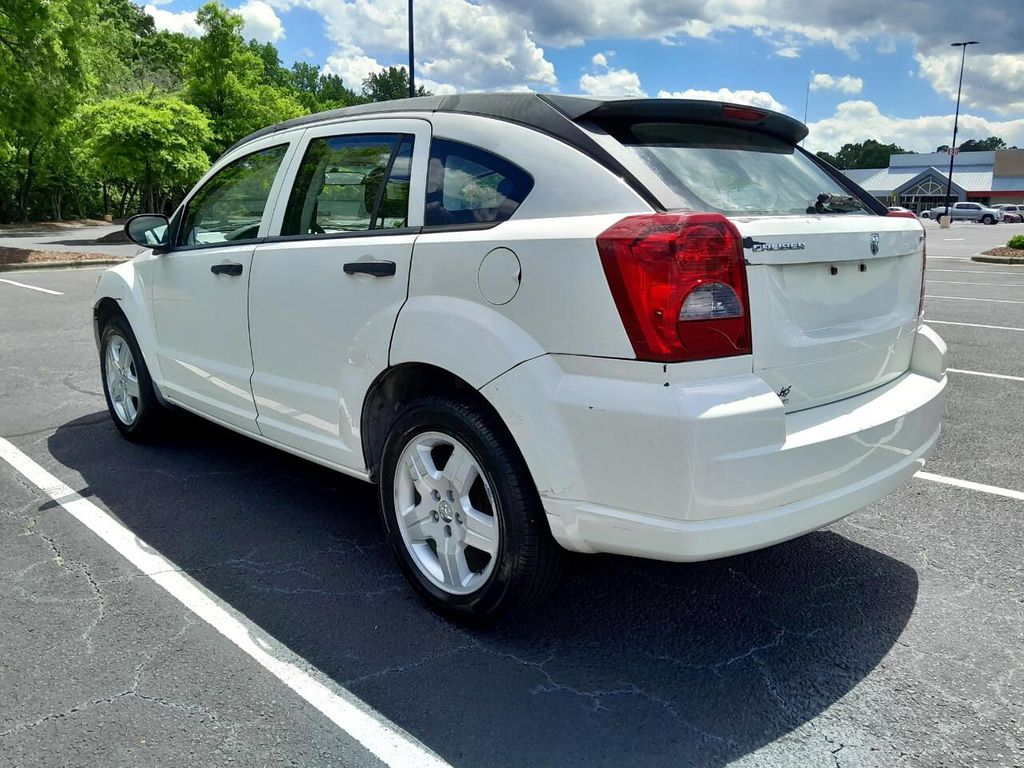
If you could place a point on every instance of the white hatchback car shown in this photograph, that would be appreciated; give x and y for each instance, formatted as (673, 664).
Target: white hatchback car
(650, 327)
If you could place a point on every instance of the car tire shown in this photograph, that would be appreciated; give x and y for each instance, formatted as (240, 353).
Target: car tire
(127, 386)
(473, 540)
(988, 219)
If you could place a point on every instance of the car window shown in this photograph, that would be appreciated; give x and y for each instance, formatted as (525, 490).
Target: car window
(734, 170)
(350, 184)
(229, 207)
(468, 185)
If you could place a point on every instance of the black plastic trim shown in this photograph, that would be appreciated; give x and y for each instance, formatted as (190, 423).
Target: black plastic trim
(461, 227)
(354, 234)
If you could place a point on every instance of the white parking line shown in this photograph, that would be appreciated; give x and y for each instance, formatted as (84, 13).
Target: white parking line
(993, 489)
(978, 271)
(948, 258)
(987, 375)
(953, 239)
(970, 298)
(929, 321)
(384, 739)
(963, 282)
(31, 287)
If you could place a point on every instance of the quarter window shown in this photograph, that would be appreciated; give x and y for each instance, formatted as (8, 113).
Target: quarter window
(466, 185)
(229, 207)
(351, 184)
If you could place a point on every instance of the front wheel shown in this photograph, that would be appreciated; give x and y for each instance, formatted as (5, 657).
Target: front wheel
(462, 514)
(988, 219)
(128, 389)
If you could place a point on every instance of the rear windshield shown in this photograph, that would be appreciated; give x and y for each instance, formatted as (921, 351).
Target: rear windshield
(734, 171)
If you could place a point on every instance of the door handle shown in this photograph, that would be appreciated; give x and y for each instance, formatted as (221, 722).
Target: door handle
(375, 268)
(230, 268)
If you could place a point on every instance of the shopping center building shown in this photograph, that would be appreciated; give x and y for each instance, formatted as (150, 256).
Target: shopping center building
(919, 182)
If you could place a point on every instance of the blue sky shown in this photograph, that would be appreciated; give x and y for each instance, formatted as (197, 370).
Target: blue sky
(879, 68)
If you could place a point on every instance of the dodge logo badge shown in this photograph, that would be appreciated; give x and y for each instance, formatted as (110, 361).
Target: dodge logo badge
(874, 244)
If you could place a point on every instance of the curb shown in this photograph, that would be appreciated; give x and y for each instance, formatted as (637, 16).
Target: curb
(998, 259)
(61, 264)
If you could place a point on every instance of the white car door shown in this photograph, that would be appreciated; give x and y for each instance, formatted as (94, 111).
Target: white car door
(200, 287)
(327, 285)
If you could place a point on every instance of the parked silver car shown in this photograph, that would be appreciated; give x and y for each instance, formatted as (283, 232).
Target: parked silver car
(966, 212)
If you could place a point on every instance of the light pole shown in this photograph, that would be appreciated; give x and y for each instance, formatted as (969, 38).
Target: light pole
(956, 119)
(412, 57)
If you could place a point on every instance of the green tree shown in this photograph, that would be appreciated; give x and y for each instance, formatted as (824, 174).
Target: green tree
(224, 80)
(162, 59)
(390, 83)
(976, 145)
(43, 78)
(318, 91)
(154, 143)
(273, 73)
(867, 154)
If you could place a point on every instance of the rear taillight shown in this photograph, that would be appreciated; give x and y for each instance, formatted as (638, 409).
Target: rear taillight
(902, 214)
(679, 284)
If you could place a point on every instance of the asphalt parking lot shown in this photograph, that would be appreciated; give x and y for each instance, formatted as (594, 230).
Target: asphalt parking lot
(894, 638)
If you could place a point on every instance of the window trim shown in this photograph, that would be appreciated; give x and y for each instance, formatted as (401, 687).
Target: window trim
(345, 235)
(398, 139)
(178, 219)
(417, 127)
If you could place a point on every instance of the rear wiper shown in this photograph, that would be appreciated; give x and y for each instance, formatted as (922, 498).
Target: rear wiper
(829, 203)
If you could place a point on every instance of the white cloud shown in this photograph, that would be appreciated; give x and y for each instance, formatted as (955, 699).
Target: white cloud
(788, 52)
(260, 21)
(844, 83)
(599, 60)
(993, 81)
(460, 44)
(169, 21)
(753, 98)
(612, 84)
(990, 80)
(352, 66)
(855, 121)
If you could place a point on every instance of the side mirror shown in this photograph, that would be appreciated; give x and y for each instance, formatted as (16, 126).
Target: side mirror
(150, 230)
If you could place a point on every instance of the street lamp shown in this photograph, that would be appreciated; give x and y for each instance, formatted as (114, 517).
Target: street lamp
(956, 119)
(412, 75)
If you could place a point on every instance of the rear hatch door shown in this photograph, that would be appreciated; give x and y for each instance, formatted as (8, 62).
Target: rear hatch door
(833, 302)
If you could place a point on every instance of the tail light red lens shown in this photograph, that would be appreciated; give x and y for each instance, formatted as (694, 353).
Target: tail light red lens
(742, 113)
(680, 285)
(902, 214)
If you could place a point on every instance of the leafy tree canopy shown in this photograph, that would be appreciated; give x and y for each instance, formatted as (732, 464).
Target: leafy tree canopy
(390, 83)
(867, 154)
(973, 145)
(101, 112)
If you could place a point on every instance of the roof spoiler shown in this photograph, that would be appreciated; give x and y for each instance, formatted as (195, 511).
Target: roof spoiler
(681, 110)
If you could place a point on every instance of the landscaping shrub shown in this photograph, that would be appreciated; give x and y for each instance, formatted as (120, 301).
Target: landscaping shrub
(1017, 241)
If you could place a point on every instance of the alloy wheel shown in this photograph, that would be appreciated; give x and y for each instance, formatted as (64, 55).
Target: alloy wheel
(446, 513)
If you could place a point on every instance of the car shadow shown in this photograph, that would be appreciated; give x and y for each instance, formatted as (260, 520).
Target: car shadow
(631, 662)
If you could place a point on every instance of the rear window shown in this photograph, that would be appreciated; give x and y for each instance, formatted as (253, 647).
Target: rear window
(734, 171)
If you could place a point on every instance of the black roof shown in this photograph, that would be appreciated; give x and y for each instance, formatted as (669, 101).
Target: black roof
(558, 116)
(551, 113)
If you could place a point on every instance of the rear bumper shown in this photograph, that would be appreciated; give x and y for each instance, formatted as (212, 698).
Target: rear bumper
(687, 468)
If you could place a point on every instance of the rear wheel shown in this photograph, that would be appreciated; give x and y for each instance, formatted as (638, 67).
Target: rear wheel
(462, 514)
(128, 389)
